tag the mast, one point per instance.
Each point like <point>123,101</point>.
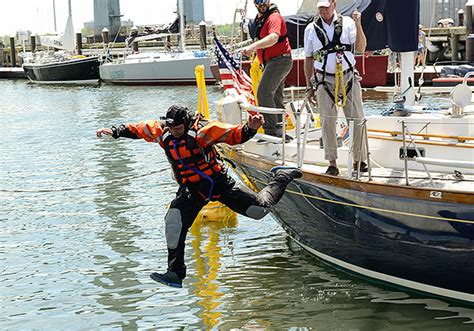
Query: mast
<point>182,44</point>
<point>54,14</point>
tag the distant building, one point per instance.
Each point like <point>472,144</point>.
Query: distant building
<point>193,11</point>
<point>106,15</point>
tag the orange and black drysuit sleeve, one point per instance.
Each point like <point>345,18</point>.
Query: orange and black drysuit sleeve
<point>218,132</point>
<point>148,130</point>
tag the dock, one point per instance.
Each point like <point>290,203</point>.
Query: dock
<point>12,73</point>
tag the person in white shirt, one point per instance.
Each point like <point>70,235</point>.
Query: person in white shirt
<point>328,44</point>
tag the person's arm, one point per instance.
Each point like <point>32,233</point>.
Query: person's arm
<point>149,131</point>
<point>308,69</point>
<point>218,132</point>
<point>361,40</point>
<point>266,42</point>
<point>309,64</point>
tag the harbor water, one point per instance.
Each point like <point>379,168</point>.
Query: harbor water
<point>82,228</point>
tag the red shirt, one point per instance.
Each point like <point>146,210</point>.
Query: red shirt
<point>274,24</point>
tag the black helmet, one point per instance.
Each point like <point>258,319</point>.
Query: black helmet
<point>177,115</point>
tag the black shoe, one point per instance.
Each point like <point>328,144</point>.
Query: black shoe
<point>363,167</point>
<point>332,171</point>
<point>288,138</point>
<point>169,278</point>
<point>288,173</point>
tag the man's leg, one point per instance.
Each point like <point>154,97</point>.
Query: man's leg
<point>180,217</point>
<point>270,91</point>
<point>354,109</point>
<point>246,202</point>
<point>328,113</point>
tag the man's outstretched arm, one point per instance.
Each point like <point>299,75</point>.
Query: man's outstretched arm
<point>149,130</point>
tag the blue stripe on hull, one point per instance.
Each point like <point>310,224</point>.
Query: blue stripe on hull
<point>434,252</point>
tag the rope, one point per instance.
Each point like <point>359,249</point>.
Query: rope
<point>82,187</point>
<point>340,85</point>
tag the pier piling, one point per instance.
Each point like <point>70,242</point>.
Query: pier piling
<point>2,55</point>
<point>203,35</point>
<point>12,52</point>
<point>461,17</point>
<point>135,46</point>
<point>455,47</point>
<point>105,36</point>
<point>33,43</point>
<point>79,43</point>
<point>469,13</point>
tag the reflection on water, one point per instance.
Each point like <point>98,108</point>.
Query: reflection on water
<point>206,256</point>
<point>121,234</point>
<point>80,260</point>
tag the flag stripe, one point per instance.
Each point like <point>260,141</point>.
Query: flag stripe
<point>231,73</point>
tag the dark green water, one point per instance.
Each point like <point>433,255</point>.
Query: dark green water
<point>79,259</point>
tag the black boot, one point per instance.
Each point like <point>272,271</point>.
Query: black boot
<point>272,193</point>
<point>169,278</point>
<point>286,173</point>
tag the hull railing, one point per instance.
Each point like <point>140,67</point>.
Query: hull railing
<point>406,132</point>
<point>302,138</point>
<point>364,140</point>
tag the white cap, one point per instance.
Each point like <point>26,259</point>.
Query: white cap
<point>323,3</point>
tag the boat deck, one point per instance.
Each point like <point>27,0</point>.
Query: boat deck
<point>456,180</point>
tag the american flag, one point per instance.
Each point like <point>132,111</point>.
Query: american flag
<point>232,75</point>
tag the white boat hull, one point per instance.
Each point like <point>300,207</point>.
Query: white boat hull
<point>155,71</point>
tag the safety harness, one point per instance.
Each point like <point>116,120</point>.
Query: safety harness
<point>260,23</point>
<point>331,47</point>
<point>190,162</point>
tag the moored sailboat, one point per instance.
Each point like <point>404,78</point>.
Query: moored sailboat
<point>63,67</point>
<point>409,222</point>
<point>158,68</point>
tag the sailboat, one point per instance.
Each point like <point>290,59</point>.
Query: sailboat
<point>62,67</point>
<point>409,222</point>
<point>158,68</point>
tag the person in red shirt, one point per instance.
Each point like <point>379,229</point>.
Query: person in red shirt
<point>274,52</point>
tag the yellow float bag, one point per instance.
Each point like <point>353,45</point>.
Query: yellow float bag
<point>213,211</point>
<point>203,103</point>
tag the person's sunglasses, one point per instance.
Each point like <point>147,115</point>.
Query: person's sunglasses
<point>260,2</point>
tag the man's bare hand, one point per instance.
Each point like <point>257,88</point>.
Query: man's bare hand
<point>103,131</point>
<point>247,51</point>
<point>255,121</point>
<point>311,97</point>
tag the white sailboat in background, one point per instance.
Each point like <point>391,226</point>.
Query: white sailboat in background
<point>61,67</point>
<point>158,68</point>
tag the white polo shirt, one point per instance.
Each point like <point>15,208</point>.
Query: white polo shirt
<point>312,43</point>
